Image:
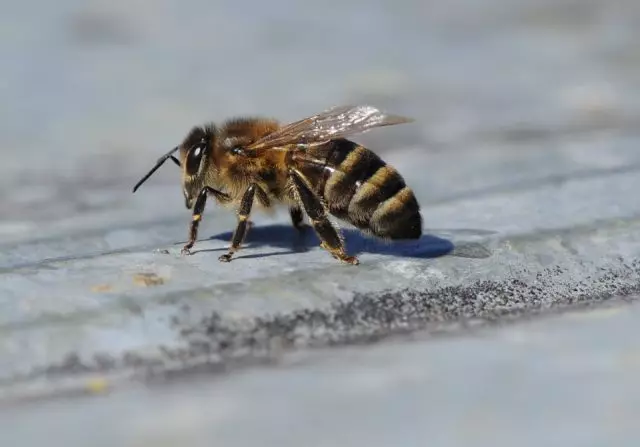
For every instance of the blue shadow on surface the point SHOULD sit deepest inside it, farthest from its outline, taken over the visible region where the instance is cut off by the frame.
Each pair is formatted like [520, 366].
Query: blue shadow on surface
[288, 238]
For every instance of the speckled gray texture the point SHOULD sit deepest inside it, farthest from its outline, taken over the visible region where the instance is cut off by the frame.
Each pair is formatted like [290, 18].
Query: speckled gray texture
[569, 380]
[524, 155]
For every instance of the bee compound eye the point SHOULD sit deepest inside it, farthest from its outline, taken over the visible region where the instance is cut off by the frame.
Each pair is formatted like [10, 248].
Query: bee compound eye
[194, 156]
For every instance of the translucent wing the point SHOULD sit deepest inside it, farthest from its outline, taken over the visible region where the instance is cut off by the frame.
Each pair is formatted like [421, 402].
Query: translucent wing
[337, 122]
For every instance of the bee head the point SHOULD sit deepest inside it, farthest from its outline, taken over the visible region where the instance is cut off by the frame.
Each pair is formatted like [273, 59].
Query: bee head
[195, 156]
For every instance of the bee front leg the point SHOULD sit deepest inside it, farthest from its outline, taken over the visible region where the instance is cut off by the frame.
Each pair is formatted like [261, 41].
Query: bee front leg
[198, 209]
[244, 212]
[317, 212]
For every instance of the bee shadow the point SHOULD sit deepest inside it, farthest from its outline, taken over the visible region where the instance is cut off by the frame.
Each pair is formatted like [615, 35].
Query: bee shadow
[289, 239]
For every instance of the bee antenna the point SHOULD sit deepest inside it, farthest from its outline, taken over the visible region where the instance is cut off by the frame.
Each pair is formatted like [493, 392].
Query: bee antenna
[160, 162]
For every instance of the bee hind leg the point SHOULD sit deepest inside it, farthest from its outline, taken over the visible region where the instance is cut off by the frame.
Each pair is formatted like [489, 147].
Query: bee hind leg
[331, 239]
[244, 212]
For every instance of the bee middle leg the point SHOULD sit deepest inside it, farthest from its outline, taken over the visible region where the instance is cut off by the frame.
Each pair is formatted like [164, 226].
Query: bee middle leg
[317, 212]
[297, 218]
[246, 203]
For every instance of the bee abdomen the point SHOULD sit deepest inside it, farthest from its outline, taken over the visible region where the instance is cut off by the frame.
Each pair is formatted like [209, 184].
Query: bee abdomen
[373, 196]
[398, 217]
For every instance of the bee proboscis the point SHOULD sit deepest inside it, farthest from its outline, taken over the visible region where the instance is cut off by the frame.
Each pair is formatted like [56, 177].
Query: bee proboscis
[308, 165]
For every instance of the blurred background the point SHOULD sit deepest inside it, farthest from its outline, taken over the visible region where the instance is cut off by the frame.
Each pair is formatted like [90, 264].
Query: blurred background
[506, 94]
[93, 91]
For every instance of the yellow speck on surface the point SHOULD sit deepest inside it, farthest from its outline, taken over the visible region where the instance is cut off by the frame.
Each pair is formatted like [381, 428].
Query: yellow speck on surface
[99, 288]
[147, 279]
[97, 386]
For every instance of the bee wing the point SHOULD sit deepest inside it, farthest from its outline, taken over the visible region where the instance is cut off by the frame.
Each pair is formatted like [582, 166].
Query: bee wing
[337, 122]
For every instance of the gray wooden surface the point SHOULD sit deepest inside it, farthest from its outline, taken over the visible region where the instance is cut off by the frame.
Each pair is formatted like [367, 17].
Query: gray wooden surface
[524, 155]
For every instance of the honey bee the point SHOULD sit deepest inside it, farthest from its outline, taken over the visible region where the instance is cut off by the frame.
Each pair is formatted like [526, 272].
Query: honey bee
[307, 165]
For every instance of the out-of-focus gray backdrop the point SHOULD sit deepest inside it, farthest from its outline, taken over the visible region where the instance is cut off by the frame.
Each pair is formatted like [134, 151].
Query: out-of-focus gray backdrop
[96, 90]
[524, 149]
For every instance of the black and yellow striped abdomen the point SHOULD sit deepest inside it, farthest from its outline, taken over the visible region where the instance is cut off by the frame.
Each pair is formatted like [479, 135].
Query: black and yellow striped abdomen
[360, 188]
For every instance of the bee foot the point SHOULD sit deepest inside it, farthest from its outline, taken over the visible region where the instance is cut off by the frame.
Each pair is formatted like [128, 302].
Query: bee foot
[350, 260]
[340, 255]
[225, 257]
[186, 251]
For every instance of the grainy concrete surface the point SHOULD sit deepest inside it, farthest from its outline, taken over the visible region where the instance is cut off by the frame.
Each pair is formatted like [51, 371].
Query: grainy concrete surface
[563, 381]
[524, 155]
